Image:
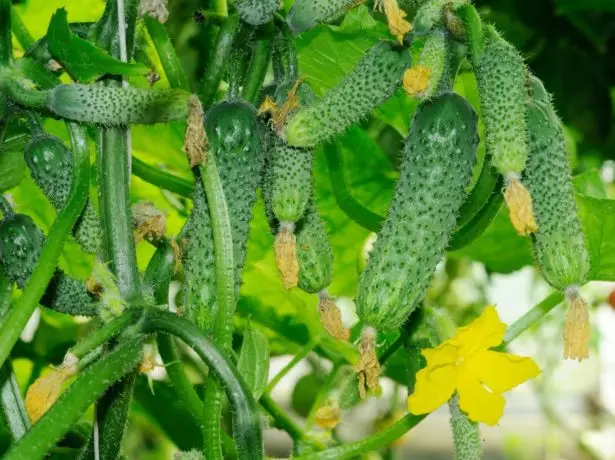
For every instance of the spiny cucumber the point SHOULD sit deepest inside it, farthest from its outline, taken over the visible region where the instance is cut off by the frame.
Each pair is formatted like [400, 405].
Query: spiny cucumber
[117, 106]
[307, 14]
[256, 12]
[559, 244]
[313, 253]
[423, 80]
[437, 167]
[50, 163]
[21, 242]
[430, 13]
[376, 77]
[466, 434]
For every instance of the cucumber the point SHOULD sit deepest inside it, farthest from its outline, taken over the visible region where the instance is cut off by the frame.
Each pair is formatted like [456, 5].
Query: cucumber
[314, 253]
[307, 14]
[430, 13]
[559, 244]
[21, 242]
[437, 168]
[466, 434]
[501, 82]
[256, 12]
[117, 106]
[424, 79]
[234, 136]
[50, 163]
[376, 77]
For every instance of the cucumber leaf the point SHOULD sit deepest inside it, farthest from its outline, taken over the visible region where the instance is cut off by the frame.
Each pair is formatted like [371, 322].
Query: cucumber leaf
[83, 61]
[253, 361]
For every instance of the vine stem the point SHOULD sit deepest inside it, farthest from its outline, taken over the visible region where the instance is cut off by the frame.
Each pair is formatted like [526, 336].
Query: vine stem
[221, 7]
[21, 32]
[225, 299]
[67, 410]
[17, 317]
[246, 419]
[532, 317]
[162, 179]
[259, 63]
[302, 353]
[6, 43]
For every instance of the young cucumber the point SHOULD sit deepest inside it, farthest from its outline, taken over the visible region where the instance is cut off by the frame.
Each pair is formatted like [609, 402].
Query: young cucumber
[234, 138]
[424, 79]
[307, 14]
[376, 77]
[437, 167]
[466, 434]
[430, 13]
[50, 163]
[256, 12]
[314, 253]
[21, 242]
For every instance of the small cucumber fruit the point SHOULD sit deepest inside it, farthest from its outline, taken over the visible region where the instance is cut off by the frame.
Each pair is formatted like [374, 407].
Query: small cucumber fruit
[430, 13]
[307, 14]
[314, 253]
[256, 12]
[466, 434]
[437, 168]
[375, 78]
[424, 79]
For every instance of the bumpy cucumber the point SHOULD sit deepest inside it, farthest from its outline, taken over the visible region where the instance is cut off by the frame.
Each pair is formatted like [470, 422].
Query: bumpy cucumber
[373, 81]
[256, 12]
[437, 167]
[430, 13]
[234, 137]
[289, 181]
[501, 83]
[117, 106]
[50, 163]
[313, 253]
[466, 435]
[559, 244]
[434, 60]
[307, 14]
[21, 242]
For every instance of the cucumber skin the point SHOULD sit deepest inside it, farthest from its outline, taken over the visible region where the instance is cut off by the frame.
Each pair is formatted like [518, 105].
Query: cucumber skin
[307, 14]
[435, 57]
[314, 252]
[375, 78]
[256, 12]
[50, 163]
[117, 106]
[560, 247]
[466, 434]
[234, 136]
[437, 168]
[21, 242]
[502, 89]
[429, 13]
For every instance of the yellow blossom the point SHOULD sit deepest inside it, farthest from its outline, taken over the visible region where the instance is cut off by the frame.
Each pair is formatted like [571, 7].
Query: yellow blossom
[466, 364]
[398, 26]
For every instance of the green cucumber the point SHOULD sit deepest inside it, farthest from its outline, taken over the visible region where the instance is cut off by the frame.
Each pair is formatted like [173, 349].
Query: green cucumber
[117, 106]
[436, 170]
[50, 163]
[307, 14]
[466, 434]
[314, 253]
[234, 136]
[21, 242]
[430, 13]
[256, 12]
[559, 244]
[501, 83]
[376, 77]
[434, 60]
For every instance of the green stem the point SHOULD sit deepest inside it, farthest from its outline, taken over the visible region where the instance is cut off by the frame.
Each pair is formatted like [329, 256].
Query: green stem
[6, 43]
[26, 97]
[14, 415]
[390, 350]
[284, 58]
[257, 71]
[322, 395]
[532, 317]
[487, 184]
[209, 17]
[162, 179]
[370, 444]
[104, 333]
[246, 419]
[168, 57]
[284, 422]
[221, 7]
[45, 268]
[5, 207]
[67, 410]
[177, 375]
[302, 353]
[346, 202]
[22, 34]
[474, 32]
[218, 61]
[225, 299]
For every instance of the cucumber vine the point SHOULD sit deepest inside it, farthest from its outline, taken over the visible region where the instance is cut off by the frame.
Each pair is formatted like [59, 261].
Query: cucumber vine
[259, 129]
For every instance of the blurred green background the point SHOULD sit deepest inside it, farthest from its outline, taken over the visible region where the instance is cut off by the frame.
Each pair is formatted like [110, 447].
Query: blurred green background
[570, 45]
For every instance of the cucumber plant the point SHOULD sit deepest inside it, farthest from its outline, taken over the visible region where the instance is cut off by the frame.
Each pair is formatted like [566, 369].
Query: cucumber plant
[261, 109]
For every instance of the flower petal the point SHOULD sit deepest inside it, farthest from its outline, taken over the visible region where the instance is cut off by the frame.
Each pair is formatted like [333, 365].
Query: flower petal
[434, 386]
[484, 332]
[478, 402]
[502, 371]
[443, 354]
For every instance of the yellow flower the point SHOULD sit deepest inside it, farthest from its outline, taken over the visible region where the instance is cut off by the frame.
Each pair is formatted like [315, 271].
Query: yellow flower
[465, 364]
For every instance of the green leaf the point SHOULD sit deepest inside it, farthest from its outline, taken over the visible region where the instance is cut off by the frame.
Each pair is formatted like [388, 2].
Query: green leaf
[83, 60]
[589, 183]
[13, 167]
[598, 218]
[253, 362]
